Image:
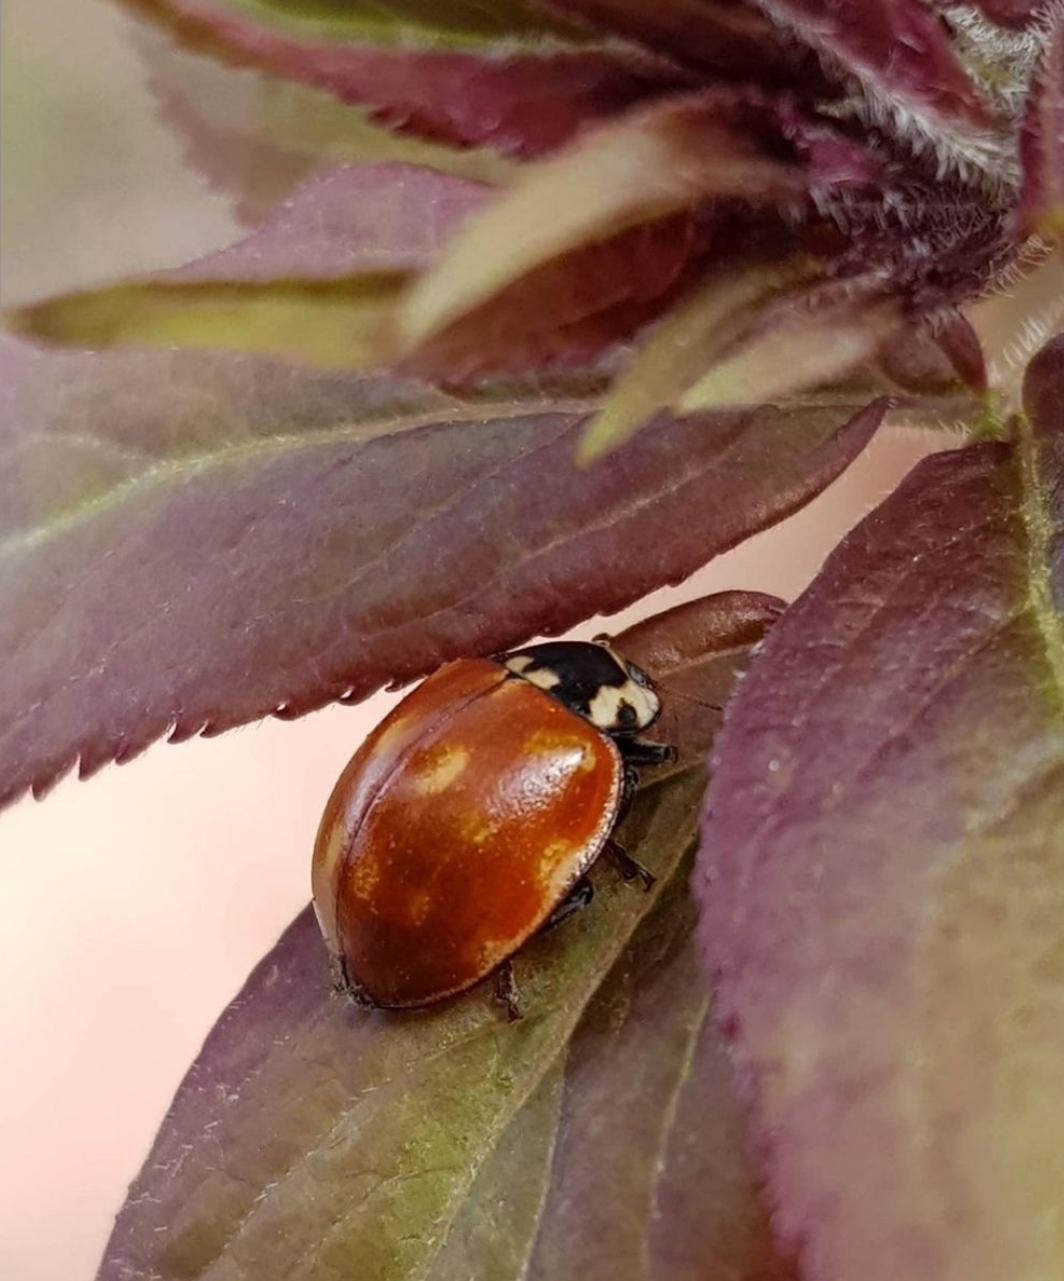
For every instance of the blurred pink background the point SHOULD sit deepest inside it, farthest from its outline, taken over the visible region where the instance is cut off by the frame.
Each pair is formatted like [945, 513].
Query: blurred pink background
[133, 905]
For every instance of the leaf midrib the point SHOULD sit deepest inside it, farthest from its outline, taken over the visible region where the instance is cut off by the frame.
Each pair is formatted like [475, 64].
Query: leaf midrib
[1039, 528]
[362, 432]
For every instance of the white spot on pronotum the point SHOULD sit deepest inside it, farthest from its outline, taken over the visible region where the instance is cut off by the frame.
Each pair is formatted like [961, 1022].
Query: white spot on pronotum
[541, 677]
[605, 708]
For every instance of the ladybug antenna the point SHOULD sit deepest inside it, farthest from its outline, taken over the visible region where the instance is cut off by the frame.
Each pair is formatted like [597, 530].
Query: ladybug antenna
[687, 698]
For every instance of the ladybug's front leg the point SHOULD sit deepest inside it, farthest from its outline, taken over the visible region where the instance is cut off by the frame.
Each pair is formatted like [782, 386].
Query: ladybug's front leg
[638, 751]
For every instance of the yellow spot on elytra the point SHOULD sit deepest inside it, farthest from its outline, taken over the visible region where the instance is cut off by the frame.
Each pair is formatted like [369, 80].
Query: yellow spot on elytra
[392, 732]
[555, 854]
[438, 771]
[418, 907]
[363, 877]
[476, 829]
[552, 742]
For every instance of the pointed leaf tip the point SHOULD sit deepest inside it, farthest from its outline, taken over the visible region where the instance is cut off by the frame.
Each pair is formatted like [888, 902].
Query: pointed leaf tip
[681, 347]
[503, 76]
[795, 346]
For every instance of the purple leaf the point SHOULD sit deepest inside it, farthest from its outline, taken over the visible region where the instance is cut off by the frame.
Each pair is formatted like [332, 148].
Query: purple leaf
[728, 38]
[900, 54]
[1041, 205]
[1009, 13]
[523, 89]
[935, 357]
[352, 219]
[882, 876]
[569, 311]
[255, 136]
[192, 541]
[313, 1139]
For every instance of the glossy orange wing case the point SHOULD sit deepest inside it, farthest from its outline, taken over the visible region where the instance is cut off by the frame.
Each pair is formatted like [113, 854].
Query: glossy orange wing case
[456, 829]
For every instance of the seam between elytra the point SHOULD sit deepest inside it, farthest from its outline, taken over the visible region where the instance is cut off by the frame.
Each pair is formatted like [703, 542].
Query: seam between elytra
[379, 792]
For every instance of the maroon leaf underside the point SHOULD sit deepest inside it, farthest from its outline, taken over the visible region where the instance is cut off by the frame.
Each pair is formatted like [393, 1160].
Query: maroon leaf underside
[897, 48]
[1041, 203]
[255, 136]
[572, 310]
[1007, 13]
[192, 541]
[597, 1137]
[936, 357]
[728, 38]
[881, 872]
[521, 104]
[344, 221]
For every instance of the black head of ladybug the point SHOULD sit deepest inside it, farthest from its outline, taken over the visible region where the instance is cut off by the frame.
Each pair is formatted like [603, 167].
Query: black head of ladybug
[590, 679]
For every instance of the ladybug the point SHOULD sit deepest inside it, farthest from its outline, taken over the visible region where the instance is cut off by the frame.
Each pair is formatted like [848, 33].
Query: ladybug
[468, 819]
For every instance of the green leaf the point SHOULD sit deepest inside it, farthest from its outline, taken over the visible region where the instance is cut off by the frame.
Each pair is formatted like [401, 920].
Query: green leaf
[323, 323]
[314, 1139]
[410, 24]
[319, 280]
[316, 281]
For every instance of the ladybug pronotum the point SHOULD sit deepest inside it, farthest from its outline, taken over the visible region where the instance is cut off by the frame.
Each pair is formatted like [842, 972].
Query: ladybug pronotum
[469, 817]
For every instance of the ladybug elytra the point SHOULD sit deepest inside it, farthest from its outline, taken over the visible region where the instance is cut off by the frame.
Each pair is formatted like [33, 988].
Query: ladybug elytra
[469, 817]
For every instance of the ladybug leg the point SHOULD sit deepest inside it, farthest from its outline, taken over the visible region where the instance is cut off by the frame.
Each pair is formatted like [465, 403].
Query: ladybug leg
[637, 751]
[629, 787]
[578, 897]
[630, 868]
[506, 992]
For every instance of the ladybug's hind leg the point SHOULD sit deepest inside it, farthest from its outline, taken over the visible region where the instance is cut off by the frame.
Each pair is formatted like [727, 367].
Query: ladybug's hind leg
[506, 992]
[630, 868]
[578, 898]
